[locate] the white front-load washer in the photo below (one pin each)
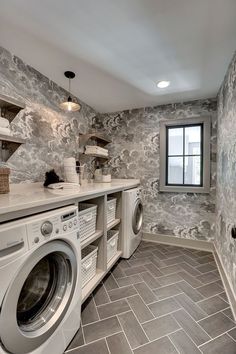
(40, 292)
(132, 219)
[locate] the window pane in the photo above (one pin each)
(193, 140)
(175, 170)
(175, 141)
(192, 170)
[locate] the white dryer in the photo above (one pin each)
(40, 292)
(132, 219)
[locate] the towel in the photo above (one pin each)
(4, 123)
(5, 131)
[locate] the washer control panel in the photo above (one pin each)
(52, 224)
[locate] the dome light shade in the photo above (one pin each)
(163, 84)
(70, 105)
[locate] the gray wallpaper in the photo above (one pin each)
(50, 132)
(226, 170)
(135, 154)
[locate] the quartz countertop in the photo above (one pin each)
(25, 196)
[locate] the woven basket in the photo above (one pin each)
(4, 180)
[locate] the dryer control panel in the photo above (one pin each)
(52, 224)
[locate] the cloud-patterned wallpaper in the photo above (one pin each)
(51, 133)
(135, 154)
(226, 173)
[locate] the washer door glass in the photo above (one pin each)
(38, 297)
(43, 292)
(137, 218)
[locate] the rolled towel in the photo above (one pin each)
(5, 131)
(4, 123)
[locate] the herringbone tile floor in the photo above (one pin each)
(163, 300)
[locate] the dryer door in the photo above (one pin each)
(137, 217)
(38, 297)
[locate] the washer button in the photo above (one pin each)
(70, 225)
(75, 222)
(64, 227)
(36, 240)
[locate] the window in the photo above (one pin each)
(185, 155)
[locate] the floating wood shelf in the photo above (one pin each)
(10, 107)
(102, 157)
(100, 139)
(10, 143)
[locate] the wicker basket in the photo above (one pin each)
(88, 263)
(4, 180)
(112, 243)
(87, 220)
(111, 209)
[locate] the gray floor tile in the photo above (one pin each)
(164, 307)
(208, 277)
(169, 279)
(132, 329)
(145, 293)
(167, 291)
(157, 262)
(224, 296)
(123, 264)
(171, 269)
(222, 344)
(139, 261)
(195, 332)
(132, 279)
(89, 312)
(110, 282)
(100, 295)
(121, 293)
(77, 341)
(216, 324)
(98, 347)
(160, 346)
(118, 344)
(140, 309)
(189, 269)
(183, 343)
(209, 289)
(213, 305)
(172, 261)
(228, 312)
(190, 279)
(150, 280)
(191, 307)
(159, 255)
(160, 327)
(205, 268)
(205, 259)
(153, 270)
(188, 290)
(143, 254)
(101, 329)
(117, 271)
(113, 308)
(135, 270)
(188, 259)
(232, 333)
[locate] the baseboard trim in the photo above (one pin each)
(226, 282)
(177, 241)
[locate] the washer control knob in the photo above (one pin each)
(75, 222)
(46, 228)
(64, 228)
(70, 225)
(36, 240)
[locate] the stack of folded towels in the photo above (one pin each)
(4, 126)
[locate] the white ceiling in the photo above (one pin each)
(119, 49)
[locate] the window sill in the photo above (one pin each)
(176, 189)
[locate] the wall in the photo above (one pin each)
(51, 133)
(135, 154)
(226, 170)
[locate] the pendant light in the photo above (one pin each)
(69, 105)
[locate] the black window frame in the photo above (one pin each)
(201, 155)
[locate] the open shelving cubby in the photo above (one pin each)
(9, 108)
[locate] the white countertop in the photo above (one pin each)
(32, 195)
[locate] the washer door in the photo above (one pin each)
(137, 217)
(38, 297)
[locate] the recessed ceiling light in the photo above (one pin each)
(163, 84)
